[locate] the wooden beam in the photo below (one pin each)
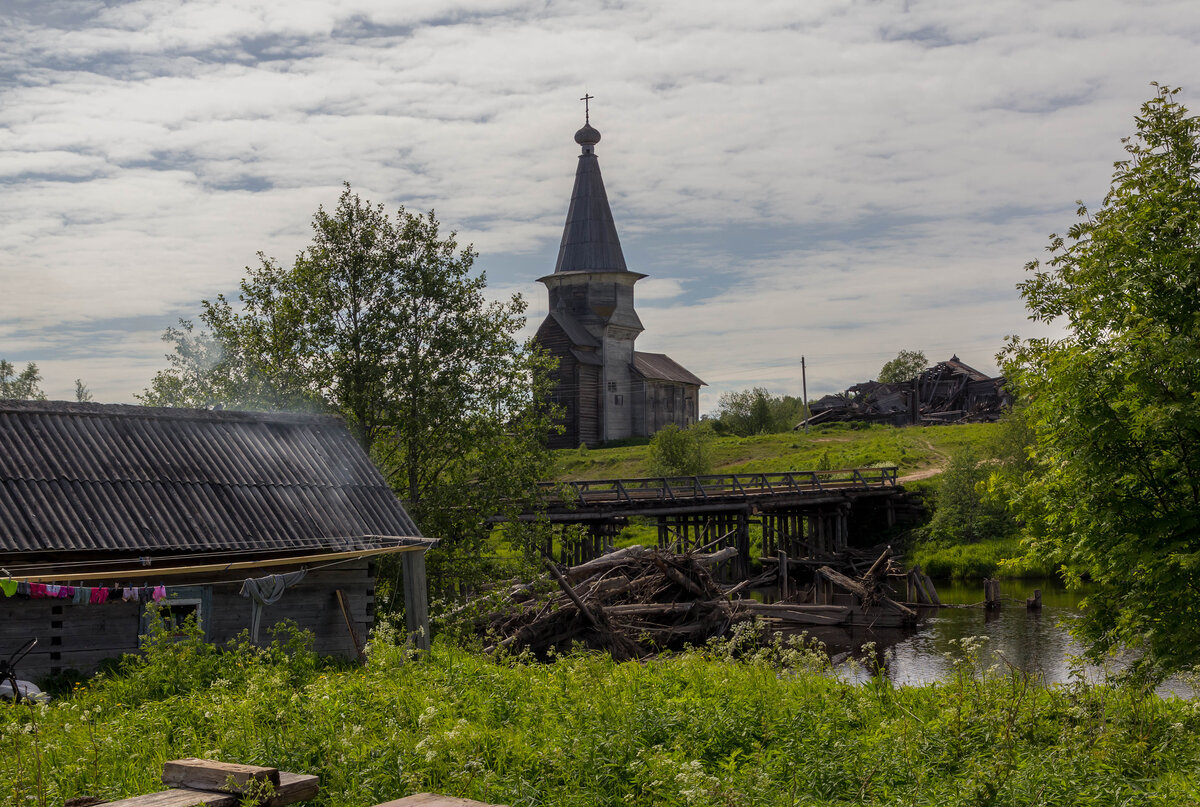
(345, 606)
(154, 572)
(209, 774)
(416, 598)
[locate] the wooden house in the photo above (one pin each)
(606, 389)
(105, 509)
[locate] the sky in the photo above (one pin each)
(834, 180)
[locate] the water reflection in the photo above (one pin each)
(1036, 642)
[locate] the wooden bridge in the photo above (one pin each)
(802, 513)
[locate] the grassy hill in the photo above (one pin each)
(918, 452)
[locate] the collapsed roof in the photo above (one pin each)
(948, 392)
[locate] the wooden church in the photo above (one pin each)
(606, 389)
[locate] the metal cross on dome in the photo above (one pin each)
(587, 117)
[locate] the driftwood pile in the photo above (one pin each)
(639, 601)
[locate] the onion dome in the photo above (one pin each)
(587, 136)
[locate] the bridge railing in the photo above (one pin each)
(693, 488)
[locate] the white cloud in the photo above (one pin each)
(900, 160)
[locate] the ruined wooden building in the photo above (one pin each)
(237, 519)
(948, 392)
(606, 389)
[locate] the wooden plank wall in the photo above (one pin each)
(79, 637)
(554, 341)
(589, 405)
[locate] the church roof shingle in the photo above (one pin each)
(661, 367)
(589, 242)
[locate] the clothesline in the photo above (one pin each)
(82, 595)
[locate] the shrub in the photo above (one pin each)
(681, 452)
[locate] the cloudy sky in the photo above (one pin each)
(824, 178)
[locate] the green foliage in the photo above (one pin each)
(907, 365)
(963, 512)
(382, 321)
(24, 385)
(681, 452)
(989, 557)
(1114, 493)
(757, 411)
(732, 723)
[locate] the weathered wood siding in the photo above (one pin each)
(589, 403)
(566, 383)
(671, 402)
(79, 637)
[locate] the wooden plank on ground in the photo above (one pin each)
(179, 797)
(209, 774)
(293, 787)
(434, 800)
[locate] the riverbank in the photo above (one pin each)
(725, 725)
(996, 557)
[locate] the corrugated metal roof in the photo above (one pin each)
(662, 367)
(589, 242)
(83, 477)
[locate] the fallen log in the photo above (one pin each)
(867, 597)
(605, 562)
(728, 553)
(796, 614)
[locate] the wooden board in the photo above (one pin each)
(434, 800)
(208, 774)
(293, 787)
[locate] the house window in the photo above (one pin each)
(182, 603)
(612, 386)
(618, 399)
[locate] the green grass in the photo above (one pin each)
(727, 725)
(1002, 557)
(824, 447)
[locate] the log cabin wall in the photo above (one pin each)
(80, 637)
(589, 406)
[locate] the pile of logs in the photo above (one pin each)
(639, 601)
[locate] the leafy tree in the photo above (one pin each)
(381, 320)
(1115, 489)
(907, 365)
(681, 452)
(963, 512)
(757, 411)
(24, 385)
(82, 393)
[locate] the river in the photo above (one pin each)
(1037, 642)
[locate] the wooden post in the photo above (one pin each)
(416, 598)
(991, 593)
(934, 599)
(345, 606)
(1034, 603)
(804, 392)
(782, 575)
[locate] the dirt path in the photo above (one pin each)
(941, 461)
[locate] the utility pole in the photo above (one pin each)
(804, 392)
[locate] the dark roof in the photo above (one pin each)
(957, 365)
(660, 367)
(589, 242)
(574, 330)
(85, 477)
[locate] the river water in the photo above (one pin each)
(1037, 642)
